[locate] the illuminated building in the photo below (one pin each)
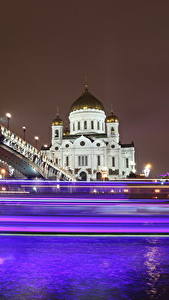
(90, 149)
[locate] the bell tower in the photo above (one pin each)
(112, 126)
(57, 130)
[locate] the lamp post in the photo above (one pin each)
(147, 170)
(36, 141)
(8, 115)
(3, 173)
(24, 132)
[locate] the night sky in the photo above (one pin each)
(47, 47)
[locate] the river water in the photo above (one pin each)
(84, 267)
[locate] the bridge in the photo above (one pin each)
(28, 160)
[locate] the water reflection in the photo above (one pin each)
(152, 263)
(70, 268)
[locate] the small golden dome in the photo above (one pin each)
(86, 101)
(66, 131)
(57, 121)
(112, 118)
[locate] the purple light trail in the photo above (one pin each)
(82, 212)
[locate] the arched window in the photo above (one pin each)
(73, 126)
(78, 125)
(56, 133)
(85, 124)
(98, 160)
(113, 161)
(92, 125)
(127, 162)
(67, 161)
(83, 160)
(112, 130)
(98, 125)
(99, 176)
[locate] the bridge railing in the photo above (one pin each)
(45, 166)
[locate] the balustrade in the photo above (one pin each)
(39, 160)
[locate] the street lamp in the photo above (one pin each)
(3, 172)
(147, 170)
(36, 141)
(24, 132)
(8, 115)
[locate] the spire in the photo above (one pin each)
(85, 83)
(111, 109)
(57, 120)
(57, 111)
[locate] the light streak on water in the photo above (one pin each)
(64, 207)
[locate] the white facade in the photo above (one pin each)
(91, 149)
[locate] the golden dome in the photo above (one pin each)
(57, 121)
(112, 118)
(66, 131)
(86, 101)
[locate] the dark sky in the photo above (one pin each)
(46, 48)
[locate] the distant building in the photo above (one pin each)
(91, 149)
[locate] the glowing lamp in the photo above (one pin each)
(8, 115)
(147, 169)
(3, 171)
